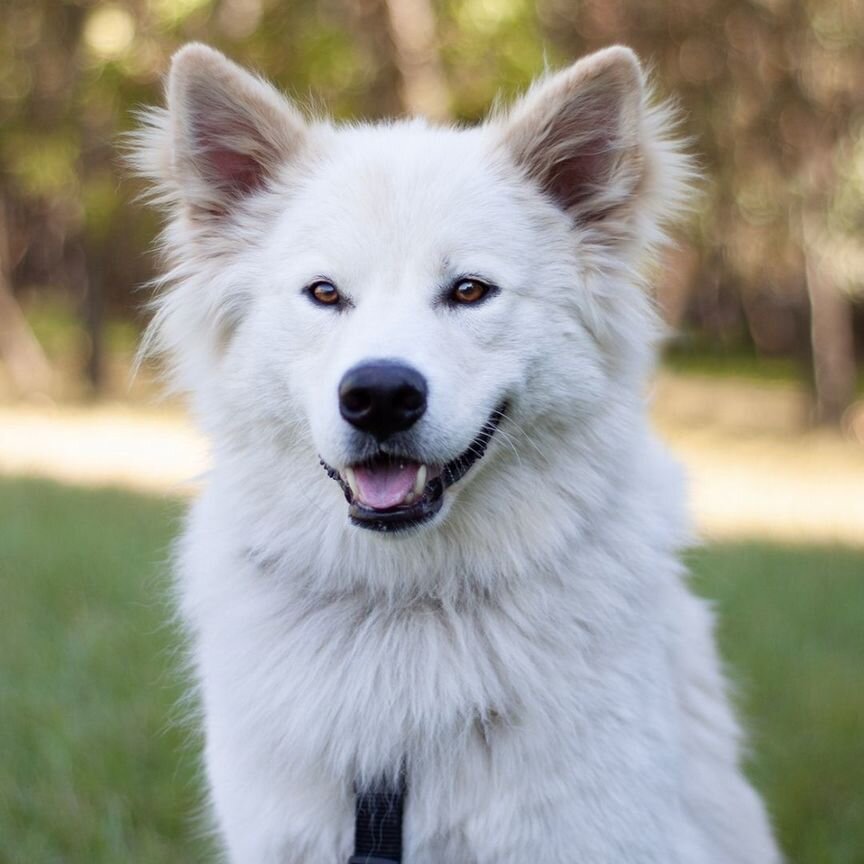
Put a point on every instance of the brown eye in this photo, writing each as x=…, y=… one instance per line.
x=467, y=291
x=324, y=292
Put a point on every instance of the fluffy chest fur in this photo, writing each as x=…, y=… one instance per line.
x=491, y=700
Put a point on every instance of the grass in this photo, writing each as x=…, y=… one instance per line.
x=691, y=354
x=94, y=770
x=791, y=625
x=699, y=358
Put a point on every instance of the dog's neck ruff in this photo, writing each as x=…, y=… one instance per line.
x=378, y=823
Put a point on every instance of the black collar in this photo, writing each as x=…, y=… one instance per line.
x=378, y=823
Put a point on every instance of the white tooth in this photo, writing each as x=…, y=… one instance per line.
x=410, y=498
x=419, y=480
x=351, y=480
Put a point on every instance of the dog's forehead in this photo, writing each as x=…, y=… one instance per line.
x=412, y=190
x=407, y=162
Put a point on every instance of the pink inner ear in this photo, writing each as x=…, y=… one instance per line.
x=235, y=171
x=225, y=143
x=582, y=173
x=584, y=141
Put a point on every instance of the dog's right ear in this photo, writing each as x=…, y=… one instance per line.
x=578, y=134
x=224, y=136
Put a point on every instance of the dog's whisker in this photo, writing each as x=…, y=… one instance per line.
x=516, y=433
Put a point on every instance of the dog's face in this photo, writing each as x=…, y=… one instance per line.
x=398, y=300
x=400, y=268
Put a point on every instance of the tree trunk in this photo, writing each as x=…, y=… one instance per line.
x=94, y=322
x=831, y=335
x=21, y=352
x=424, y=88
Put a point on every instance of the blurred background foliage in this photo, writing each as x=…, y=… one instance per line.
x=772, y=267
x=767, y=281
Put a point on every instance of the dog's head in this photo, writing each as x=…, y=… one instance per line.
x=396, y=300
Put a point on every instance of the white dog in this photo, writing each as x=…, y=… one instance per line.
x=455, y=323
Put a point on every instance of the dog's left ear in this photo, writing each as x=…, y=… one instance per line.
x=224, y=136
x=231, y=130
x=580, y=135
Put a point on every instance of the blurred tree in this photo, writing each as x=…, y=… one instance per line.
x=770, y=91
x=424, y=87
x=24, y=358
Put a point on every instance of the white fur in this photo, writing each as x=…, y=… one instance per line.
x=534, y=653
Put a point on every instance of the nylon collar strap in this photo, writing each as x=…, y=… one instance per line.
x=378, y=824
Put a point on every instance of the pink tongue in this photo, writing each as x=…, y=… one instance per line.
x=382, y=486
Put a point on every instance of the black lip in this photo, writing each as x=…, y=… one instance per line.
x=402, y=518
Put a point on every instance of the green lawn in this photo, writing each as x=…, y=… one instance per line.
x=95, y=769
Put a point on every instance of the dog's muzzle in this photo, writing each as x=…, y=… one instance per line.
x=391, y=492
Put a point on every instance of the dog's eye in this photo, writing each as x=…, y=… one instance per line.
x=325, y=293
x=470, y=290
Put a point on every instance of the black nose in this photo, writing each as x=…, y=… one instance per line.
x=382, y=397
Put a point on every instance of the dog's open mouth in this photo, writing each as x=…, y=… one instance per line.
x=391, y=492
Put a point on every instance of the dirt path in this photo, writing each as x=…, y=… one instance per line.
x=753, y=473
x=755, y=468
x=142, y=449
